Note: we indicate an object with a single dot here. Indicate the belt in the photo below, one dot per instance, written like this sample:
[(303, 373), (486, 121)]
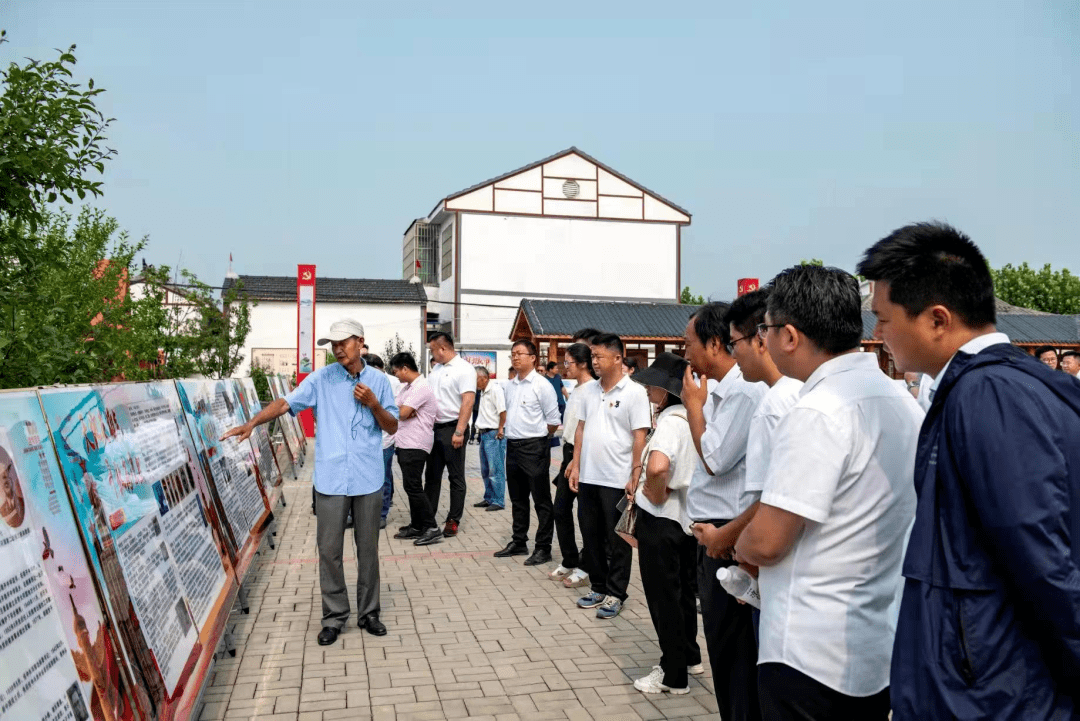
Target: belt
[(445, 424), (485, 430), (715, 521), (527, 440)]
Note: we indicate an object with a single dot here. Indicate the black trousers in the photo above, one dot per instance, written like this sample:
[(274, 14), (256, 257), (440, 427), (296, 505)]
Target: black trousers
[(729, 635), (528, 462), (411, 461), (787, 693), (606, 557), (444, 455), (668, 564), (564, 512)]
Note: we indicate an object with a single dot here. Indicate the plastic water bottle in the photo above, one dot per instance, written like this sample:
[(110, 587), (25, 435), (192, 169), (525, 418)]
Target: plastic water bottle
[(740, 584)]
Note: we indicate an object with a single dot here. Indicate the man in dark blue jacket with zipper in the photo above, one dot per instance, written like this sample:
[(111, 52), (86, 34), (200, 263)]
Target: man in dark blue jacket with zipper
[(990, 619)]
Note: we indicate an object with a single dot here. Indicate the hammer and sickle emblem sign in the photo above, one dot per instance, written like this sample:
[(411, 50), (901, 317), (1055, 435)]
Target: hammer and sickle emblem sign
[(306, 275)]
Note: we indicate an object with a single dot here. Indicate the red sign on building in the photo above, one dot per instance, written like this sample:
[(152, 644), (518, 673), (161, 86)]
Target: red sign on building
[(748, 285), (305, 334)]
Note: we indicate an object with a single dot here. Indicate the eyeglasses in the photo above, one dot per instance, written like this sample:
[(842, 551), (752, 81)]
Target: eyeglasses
[(730, 347), (763, 328), (521, 355)]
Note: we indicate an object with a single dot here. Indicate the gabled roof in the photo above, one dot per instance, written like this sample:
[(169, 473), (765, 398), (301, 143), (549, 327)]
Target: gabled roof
[(571, 150), (330, 290), (1000, 307), (1024, 327), (562, 318)]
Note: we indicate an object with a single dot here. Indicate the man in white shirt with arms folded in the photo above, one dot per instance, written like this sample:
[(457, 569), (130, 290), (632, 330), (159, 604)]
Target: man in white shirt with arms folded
[(532, 415), (613, 420), (719, 406), (453, 381), (835, 511)]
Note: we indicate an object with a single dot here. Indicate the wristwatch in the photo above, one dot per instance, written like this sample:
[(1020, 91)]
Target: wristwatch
[(459, 433)]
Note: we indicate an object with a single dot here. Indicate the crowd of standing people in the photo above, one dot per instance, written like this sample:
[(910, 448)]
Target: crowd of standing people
[(854, 553)]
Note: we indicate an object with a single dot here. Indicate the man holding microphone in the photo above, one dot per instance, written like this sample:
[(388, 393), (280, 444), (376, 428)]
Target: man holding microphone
[(355, 405)]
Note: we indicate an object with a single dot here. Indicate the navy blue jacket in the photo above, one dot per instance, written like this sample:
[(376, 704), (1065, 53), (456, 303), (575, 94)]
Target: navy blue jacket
[(990, 620)]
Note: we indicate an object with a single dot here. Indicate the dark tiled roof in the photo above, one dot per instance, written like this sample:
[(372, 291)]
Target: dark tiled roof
[(331, 290), (558, 155), (1000, 306), (1020, 327), (644, 320)]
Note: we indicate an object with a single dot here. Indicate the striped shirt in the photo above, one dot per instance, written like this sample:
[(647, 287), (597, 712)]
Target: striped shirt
[(728, 410)]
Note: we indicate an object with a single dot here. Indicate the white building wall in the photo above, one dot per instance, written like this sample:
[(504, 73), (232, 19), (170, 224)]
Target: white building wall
[(273, 325), (610, 259)]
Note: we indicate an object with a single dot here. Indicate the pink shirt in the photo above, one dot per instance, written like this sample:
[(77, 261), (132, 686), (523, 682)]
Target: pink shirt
[(418, 431)]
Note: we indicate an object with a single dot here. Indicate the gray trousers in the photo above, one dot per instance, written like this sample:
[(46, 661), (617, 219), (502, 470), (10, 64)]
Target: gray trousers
[(331, 514)]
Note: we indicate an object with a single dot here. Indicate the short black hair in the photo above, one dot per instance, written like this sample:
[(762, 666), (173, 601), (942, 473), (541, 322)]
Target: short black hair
[(610, 341), (581, 354), (710, 322), (444, 337), (585, 335), (552, 364), (405, 359), (630, 362), (527, 344), (1045, 349), (822, 303), (1070, 354), (748, 310), (374, 361), (929, 264)]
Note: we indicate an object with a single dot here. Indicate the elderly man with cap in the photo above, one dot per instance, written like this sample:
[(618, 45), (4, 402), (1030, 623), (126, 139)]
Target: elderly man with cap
[(355, 405)]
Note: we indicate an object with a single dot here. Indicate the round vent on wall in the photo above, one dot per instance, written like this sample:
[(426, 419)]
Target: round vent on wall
[(571, 189)]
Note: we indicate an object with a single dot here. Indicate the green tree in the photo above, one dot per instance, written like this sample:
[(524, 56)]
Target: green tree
[(1049, 290), (394, 346), (262, 384), (51, 136), (688, 298), (813, 261)]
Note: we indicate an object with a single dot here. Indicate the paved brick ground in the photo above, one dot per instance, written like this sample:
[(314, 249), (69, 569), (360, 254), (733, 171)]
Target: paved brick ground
[(470, 635)]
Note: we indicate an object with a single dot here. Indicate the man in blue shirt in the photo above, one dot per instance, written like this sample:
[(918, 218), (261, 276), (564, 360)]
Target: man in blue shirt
[(989, 623), (355, 405)]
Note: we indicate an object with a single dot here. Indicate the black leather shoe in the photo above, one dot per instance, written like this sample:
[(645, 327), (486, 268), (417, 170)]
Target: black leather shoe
[(494, 508), (512, 549), (430, 536), (372, 624), (328, 635), (382, 524), (538, 557), (481, 504), (409, 532)]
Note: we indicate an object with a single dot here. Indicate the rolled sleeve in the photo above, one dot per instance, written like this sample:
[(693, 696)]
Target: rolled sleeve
[(304, 395), (809, 455)]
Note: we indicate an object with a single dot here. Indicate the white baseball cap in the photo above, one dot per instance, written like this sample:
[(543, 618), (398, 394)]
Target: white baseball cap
[(342, 330)]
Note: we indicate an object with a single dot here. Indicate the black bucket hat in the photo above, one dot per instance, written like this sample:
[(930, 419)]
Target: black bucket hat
[(666, 372)]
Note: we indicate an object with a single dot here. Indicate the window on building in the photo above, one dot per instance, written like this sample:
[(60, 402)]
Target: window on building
[(447, 251), (421, 246)]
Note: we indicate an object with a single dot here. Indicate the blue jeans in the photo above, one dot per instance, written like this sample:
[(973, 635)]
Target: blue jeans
[(388, 479), (493, 467)]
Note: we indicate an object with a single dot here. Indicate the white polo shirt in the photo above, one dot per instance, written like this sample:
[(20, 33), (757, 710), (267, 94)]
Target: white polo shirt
[(449, 381), (492, 403), (777, 402), (570, 414), (610, 419), (531, 406), (843, 458), (728, 410)]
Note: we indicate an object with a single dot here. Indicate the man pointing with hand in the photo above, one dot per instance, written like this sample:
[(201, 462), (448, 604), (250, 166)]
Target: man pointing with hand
[(355, 405)]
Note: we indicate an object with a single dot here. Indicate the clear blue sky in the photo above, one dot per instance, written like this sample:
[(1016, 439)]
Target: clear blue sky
[(315, 132)]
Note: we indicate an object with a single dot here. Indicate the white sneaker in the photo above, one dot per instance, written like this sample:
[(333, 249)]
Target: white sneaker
[(654, 683), (696, 670), (577, 579), (560, 573)]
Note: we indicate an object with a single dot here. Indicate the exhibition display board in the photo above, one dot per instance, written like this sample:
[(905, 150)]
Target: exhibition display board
[(290, 427), (266, 464), (126, 526)]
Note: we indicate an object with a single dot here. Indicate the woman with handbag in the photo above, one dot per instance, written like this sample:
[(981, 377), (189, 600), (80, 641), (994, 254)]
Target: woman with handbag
[(666, 547)]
